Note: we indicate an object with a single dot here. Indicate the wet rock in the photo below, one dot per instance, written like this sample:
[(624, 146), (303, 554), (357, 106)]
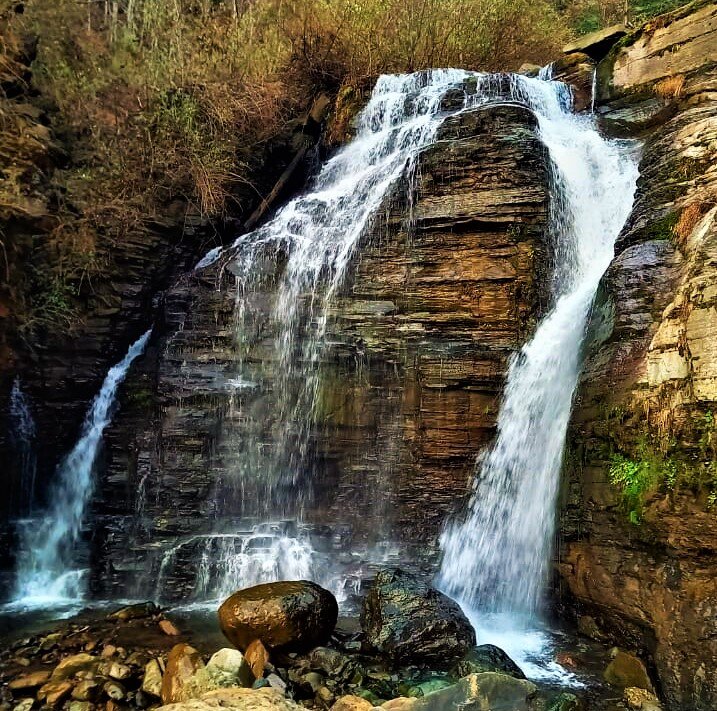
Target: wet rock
[(290, 616), (152, 680), (168, 628), (70, 666), (87, 690), (626, 670), (485, 658), (109, 650), (54, 692), (276, 682), (182, 665), (641, 700), (407, 620), (118, 671), (50, 641), (325, 696), (24, 705), (565, 702), (29, 681), (265, 699), (334, 664), (134, 612), (488, 691), (114, 690), (352, 703), (257, 657)]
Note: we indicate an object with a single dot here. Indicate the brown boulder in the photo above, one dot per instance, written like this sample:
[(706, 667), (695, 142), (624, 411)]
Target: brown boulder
[(626, 670), (291, 616)]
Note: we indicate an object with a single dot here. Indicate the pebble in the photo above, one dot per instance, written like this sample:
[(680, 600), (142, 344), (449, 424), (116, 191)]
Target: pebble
[(168, 628), (24, 705)]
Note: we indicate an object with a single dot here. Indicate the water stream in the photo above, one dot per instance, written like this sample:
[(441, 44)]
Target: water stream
[(496, 559), (47, 573), (23, 436)]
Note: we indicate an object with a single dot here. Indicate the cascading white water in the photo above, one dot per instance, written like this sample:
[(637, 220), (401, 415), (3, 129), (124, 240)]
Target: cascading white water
[(496, 559), (45, 573), (23, 434)]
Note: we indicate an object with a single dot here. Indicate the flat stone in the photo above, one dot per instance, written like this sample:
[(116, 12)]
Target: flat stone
[(152, 680), (29, 681), (352, 703), (54, 692), (69, 666), (169, 628)]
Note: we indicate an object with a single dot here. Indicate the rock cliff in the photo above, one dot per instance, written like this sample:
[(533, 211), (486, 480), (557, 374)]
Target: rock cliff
[(419, 336), (639, 548)]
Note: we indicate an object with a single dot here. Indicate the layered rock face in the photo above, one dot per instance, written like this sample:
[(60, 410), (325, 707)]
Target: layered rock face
[(639, 526), (418, 341)]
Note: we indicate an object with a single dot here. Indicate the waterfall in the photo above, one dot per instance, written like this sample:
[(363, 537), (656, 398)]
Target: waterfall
[(23, 434), (45, 572), (496, 559)]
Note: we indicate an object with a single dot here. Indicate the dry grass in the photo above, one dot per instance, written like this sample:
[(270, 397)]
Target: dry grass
[(689, 218), (670, 87)]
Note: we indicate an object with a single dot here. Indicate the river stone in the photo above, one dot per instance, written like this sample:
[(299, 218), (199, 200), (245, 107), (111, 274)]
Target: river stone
[(236, 699), (627, 670), (257, 657), (290, 616), (29, 681), (86, 690), (182, 664), (70, 666), (565, 702), (228, 667), (135, 612), (641, 700), (488, 691), (24, 704), (352, 703), (487, 657), (54, 692), (152, 681), (408, 621)]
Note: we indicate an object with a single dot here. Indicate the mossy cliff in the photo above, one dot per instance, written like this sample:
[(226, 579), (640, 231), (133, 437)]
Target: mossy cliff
[(639, 544)]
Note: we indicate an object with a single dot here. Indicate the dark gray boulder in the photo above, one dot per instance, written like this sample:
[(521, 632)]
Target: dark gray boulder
[(487, 658), (408, 621)]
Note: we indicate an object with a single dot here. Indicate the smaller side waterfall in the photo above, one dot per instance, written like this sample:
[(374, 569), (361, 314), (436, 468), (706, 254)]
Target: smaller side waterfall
[(45, 573), (496, 560), (23, 433)]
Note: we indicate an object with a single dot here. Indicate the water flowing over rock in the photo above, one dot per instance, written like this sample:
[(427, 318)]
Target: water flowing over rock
[(407, 371), (497, 558), (409, 621), (290, 616), (46, 570)]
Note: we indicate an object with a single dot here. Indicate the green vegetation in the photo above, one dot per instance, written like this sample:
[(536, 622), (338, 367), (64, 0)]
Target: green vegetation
[(648, 469), (585, 16)]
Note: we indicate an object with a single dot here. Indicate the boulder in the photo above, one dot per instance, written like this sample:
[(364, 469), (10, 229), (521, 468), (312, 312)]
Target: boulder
[(408, 621), (625, 670), (236, 699), (487, 658), (289, 616), (488, 691)]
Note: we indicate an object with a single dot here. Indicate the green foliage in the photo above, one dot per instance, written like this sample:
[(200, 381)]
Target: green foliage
[(635, 479)]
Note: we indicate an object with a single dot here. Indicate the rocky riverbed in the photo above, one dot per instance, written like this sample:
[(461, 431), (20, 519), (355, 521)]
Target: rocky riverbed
[(412, 649)]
